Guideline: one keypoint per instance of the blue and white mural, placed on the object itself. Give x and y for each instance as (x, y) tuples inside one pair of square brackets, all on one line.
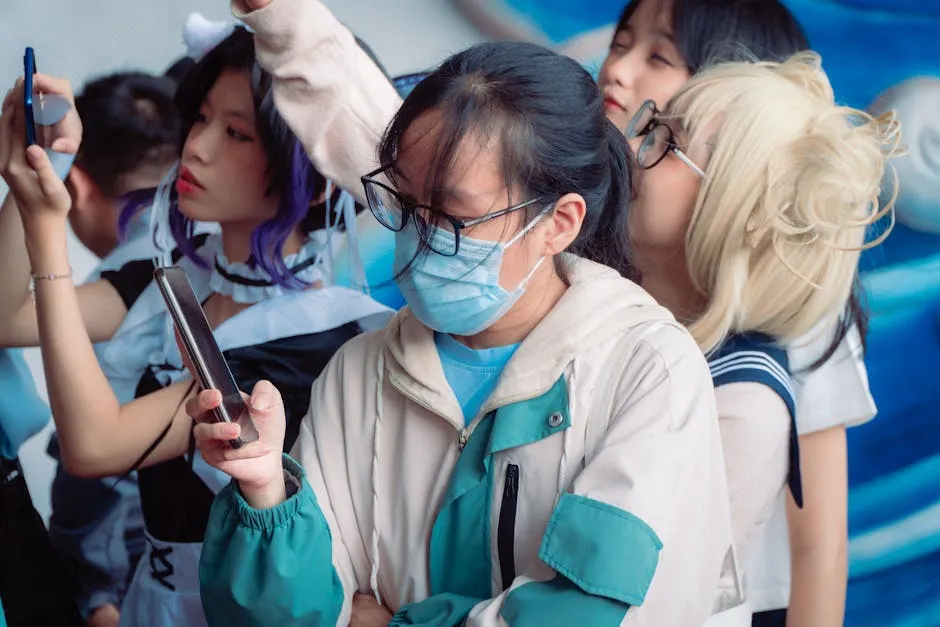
[(879, 54)]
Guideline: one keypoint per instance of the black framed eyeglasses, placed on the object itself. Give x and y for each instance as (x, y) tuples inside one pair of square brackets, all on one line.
[(658, 139), (393, 211)]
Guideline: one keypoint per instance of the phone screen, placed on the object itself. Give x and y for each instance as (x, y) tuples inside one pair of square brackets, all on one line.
[(29, 69), (211, 371)]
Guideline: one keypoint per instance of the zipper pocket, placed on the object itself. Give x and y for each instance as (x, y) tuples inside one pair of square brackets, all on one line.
[(506, 528)]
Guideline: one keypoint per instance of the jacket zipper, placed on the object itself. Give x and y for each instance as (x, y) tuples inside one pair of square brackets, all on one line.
[(506, 527), (463, 436)]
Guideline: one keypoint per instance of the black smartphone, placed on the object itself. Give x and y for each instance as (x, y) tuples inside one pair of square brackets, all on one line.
[(211, 371), (29, 69)]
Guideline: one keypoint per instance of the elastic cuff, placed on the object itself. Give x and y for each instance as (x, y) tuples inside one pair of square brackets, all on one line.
[(299, 494)]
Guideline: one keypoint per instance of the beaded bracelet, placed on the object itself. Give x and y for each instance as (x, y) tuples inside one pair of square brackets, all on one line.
[(40, 276)]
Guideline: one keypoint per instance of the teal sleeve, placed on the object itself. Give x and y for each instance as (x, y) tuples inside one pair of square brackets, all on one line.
[(269, 567), (439, 610), (604, 558)]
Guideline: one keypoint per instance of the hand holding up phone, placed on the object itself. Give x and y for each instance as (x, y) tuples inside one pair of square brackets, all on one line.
[(40, 193), (256, 465)]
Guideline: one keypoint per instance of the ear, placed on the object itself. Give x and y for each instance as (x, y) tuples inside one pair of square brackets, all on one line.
[(564, 223), (85, 192)]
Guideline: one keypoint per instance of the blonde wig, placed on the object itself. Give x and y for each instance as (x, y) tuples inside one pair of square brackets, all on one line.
[(790, 187)]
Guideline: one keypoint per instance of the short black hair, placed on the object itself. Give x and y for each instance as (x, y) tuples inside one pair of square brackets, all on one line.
[(129, 121)]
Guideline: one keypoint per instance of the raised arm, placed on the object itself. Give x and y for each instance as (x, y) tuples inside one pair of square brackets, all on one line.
[(329, 91), (273, 552), (98, 437), (100, 308)]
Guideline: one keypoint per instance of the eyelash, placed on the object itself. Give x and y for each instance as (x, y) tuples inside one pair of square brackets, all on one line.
[(661, 59), (231, 132)]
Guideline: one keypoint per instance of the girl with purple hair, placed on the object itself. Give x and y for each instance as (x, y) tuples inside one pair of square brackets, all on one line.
[(264, 281)]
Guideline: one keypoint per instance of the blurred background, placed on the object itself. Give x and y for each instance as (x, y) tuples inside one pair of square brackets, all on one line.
[(878, 53)]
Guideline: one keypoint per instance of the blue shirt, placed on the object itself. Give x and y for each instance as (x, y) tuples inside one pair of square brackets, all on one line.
[(23, 413), (471, 374)]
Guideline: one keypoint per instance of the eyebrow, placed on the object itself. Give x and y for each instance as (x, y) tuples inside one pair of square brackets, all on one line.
[(231, 113), (457, 194)]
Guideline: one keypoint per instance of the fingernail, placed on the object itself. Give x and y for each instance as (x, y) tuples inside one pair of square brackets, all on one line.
[(262, 403)]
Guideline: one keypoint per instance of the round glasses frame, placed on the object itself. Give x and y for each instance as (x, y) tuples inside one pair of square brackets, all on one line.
[(412, 211), (645, 124)]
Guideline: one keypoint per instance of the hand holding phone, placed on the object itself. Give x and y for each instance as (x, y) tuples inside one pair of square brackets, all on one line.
[(49, 110), (199, 345)]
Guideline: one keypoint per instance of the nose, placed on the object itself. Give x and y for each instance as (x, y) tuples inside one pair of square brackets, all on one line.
[(626, 68), (199, 143)]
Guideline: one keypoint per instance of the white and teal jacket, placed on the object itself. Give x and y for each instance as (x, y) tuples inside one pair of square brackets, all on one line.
[(589, 489)]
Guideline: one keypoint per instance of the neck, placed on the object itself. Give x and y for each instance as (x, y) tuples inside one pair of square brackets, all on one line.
[(667, 280), (236, 242), (544, 290), (102, 246)]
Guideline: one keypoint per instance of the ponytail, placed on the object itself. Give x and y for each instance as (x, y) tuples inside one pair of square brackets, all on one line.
[(605, 239)]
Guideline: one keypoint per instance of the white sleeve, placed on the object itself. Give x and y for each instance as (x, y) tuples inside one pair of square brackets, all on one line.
[(334, 98), (837, 392), (755, 430)]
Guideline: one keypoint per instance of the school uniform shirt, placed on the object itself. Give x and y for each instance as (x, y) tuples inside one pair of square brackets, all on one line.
[(286, 339), (834, 394), (588, 488), (98, 523)]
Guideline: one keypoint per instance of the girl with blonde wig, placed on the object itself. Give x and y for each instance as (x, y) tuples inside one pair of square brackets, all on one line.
[(753, 201)]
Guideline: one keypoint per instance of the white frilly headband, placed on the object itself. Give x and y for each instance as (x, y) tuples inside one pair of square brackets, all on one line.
[(201, 35)]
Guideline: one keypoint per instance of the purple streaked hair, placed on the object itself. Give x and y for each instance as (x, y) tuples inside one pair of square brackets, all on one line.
[(289, 169)]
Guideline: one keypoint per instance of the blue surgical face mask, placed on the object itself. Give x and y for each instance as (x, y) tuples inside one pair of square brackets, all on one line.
[(459, 295)]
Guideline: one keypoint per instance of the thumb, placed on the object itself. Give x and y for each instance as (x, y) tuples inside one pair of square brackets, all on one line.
[(265, 399), (49, 181)]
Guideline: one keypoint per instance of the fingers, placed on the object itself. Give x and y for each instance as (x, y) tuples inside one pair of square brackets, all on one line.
[(49, 182), (216, 431), (6, 134), (199, 406), (53, 85), (213, 441)]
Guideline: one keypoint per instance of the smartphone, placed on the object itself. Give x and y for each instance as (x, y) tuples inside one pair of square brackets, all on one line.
[(211, 371), (29, 69)]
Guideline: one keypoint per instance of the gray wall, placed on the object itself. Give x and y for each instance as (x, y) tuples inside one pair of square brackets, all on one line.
[(80, 39)]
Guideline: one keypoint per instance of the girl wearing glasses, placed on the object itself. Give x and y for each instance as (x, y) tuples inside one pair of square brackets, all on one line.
[(658, 46), (533, 440), (750, 214)]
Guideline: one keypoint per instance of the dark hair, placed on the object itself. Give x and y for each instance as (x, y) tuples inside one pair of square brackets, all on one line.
[(707, 32), (289, 169), (548, 116), (715, 31), (179, 68), (129, 122)]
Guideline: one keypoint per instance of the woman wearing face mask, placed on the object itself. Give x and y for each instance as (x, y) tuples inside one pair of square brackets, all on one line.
[(263, 282), (532, 440), (750, 214), (658, 46)]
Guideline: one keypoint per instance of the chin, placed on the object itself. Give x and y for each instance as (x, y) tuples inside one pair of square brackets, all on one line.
[(196, 211), (620, 119)]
